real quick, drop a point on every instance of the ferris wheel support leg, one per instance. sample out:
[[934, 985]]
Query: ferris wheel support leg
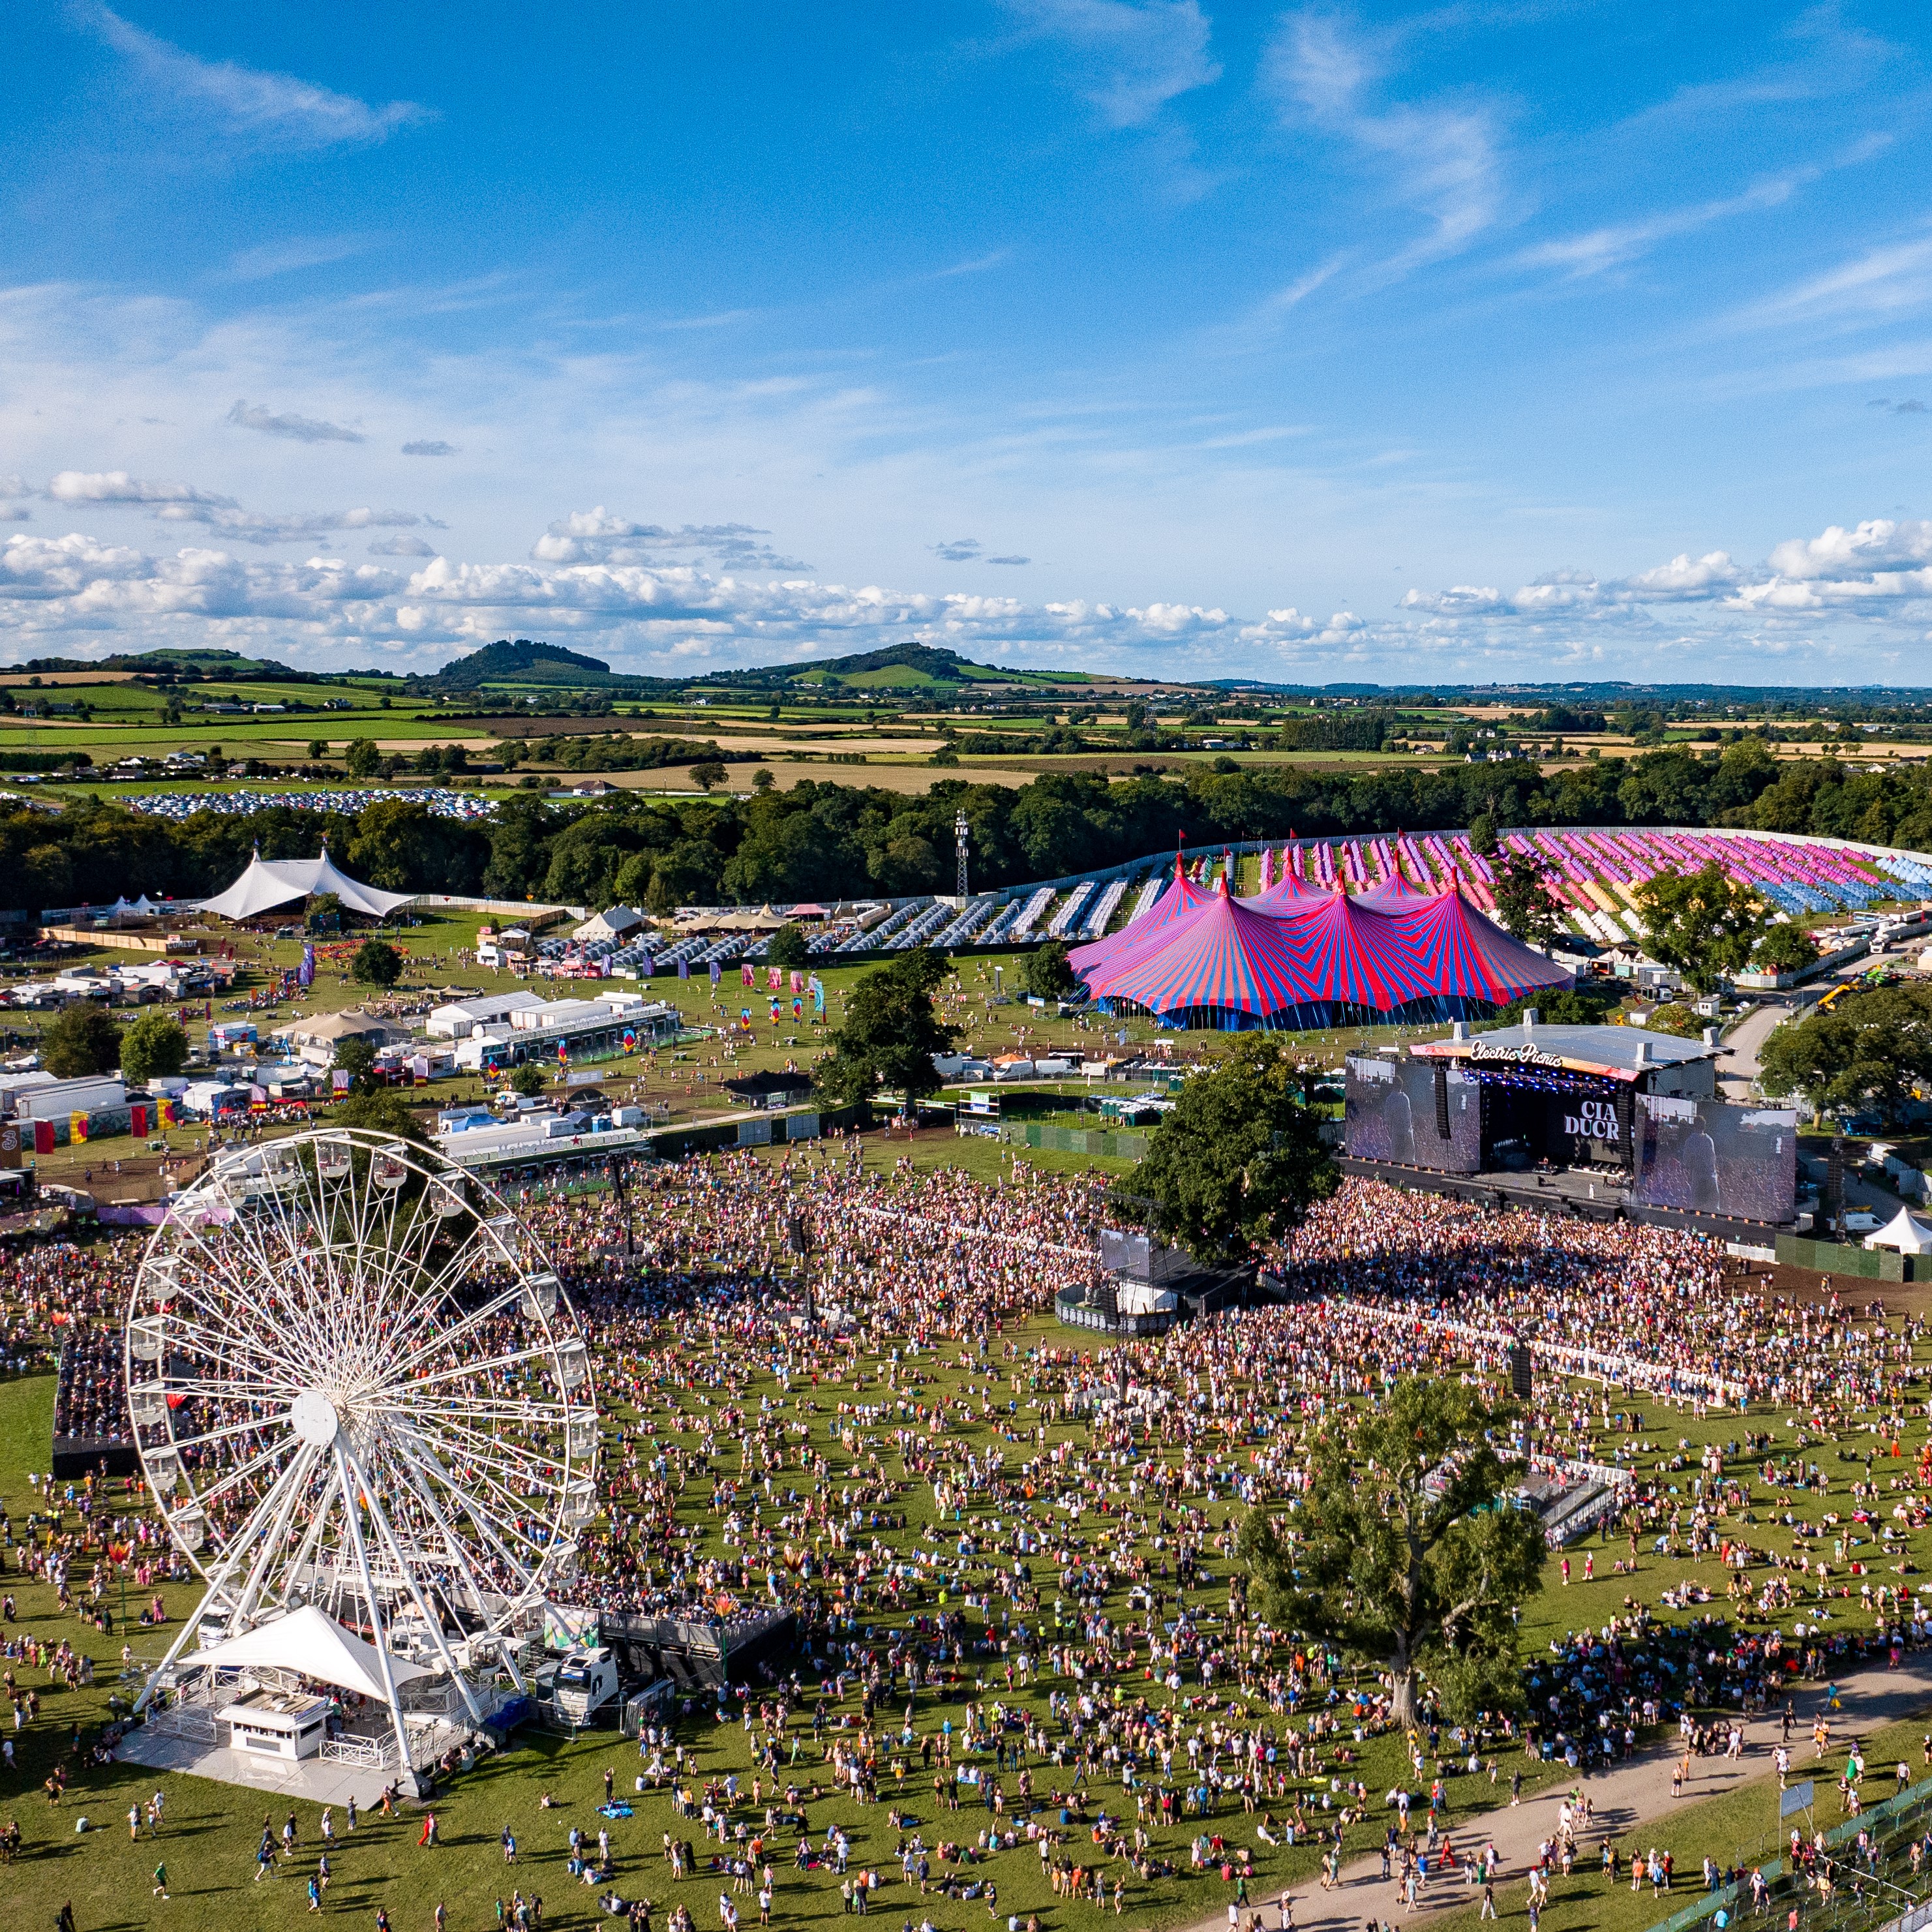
[[408, 1779], [218, 1579], [413, 1474], [429, 1616]]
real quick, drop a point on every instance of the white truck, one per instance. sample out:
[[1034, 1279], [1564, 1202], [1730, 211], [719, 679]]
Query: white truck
[[586, 1680]]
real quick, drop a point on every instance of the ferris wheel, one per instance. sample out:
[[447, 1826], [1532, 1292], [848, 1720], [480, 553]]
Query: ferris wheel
[[356, 1385]]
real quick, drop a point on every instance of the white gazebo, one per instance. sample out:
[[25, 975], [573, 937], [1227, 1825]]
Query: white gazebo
[[1905, 1232], [311, 1643], [269, 883]]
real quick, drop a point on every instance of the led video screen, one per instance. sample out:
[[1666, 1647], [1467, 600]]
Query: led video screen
[[1707, 1158], [1391, 1113]]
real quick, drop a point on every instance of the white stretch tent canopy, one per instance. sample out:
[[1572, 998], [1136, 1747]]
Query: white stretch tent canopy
[[311, 1641], [270, 883], [1904, 1232], [614, 923]]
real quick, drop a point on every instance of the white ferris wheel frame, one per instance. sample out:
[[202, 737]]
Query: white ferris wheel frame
[[301, 1279]]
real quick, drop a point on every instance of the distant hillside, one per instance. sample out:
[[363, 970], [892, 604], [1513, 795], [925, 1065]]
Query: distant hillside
[[205, 663], [910, 666], [523, 662]]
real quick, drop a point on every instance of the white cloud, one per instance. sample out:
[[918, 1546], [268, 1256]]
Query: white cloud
[[1599, 249], [301, 251], [1876, 286], [297, 429], [1871, 546], [587, 536], [116, 486], [174, 502], [75, 592], [1132, 57], [272, 107], [1441, 158]]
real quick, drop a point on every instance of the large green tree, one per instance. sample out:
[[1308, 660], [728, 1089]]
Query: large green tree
[[156, 1045], [1868, 1052], [1238, 1160], [1048, 976], [1703, 924], [1529, 908], [376, 963], [1405, 1553], [83, 1040], [788, 947], [890, 1033], [1786, 948], [381, 1112]]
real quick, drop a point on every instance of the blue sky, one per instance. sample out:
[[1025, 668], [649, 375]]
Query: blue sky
[[1461, 343]]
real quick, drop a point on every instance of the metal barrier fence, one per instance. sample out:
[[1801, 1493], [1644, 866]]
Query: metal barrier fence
[[1861, 1888]]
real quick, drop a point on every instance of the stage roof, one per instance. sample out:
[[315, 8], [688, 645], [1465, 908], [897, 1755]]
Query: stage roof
[[270, 883], [1613, 1051]]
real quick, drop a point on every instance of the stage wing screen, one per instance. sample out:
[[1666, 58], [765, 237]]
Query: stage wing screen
[[1706, 1158], [1413, 1113]]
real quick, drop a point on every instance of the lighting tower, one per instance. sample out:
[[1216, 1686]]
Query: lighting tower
[[961, 833]]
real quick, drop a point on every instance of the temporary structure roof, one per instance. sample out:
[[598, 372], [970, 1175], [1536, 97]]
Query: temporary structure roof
[[270, 883], [1263, 957], [351, 1023], [1457, 950], [1904, 1232], [311, 1641], [612, 923], [1182, 897]]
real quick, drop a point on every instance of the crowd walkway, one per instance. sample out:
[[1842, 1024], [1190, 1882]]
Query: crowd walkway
[[1623, 1801]]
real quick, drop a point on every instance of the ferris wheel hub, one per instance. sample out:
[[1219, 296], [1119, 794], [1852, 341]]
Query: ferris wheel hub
[[315, 1417]]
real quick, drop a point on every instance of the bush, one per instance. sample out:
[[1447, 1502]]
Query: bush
[[1676, 1017], [376, 963], [527, 1080]]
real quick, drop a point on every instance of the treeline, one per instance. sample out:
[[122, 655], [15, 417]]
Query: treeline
[[824, 840], [582, 753]]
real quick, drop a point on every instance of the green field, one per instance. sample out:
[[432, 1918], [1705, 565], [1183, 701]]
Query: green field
[[211, 1831]]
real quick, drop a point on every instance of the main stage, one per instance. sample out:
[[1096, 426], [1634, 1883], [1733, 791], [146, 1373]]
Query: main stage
[[1586, 1196], [1604, 1122]]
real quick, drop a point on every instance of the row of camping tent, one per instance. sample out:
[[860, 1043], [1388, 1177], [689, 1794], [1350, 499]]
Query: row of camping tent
[[1299, 954]]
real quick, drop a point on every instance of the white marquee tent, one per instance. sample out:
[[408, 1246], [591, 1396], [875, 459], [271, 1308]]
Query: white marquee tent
[[1904, 1232], [270, 883], [311, 1641]]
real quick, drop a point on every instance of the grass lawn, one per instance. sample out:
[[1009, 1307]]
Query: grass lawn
[[211, 1831], [1739, 1829], [26, 1424]]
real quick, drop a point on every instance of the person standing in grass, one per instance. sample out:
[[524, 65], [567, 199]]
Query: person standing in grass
[[160, 1890]]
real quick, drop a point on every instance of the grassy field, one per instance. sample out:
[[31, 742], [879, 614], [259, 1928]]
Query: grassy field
[[211, 1831]]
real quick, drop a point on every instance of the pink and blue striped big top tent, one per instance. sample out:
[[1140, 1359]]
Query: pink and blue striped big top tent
[[1182, 898], [1307, 960]]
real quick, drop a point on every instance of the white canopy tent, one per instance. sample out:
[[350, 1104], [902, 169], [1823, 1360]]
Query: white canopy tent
[[270, 883], [311, 1641], [1905, 1232]]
